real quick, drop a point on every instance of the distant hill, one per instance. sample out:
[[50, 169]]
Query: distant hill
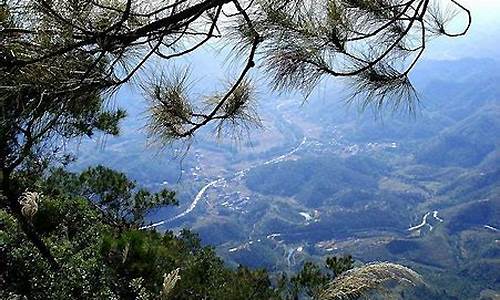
[[360, 183], [467, 143]]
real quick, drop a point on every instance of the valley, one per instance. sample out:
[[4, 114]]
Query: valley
[[320, 180]]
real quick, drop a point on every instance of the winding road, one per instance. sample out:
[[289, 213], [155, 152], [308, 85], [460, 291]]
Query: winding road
[[240, 173], [424, 221]]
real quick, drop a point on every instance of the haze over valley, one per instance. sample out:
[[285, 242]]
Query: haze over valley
[[421, 189]]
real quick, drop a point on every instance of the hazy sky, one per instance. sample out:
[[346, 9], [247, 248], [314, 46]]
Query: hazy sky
[[480, 3], [484, 10], [482, 39]]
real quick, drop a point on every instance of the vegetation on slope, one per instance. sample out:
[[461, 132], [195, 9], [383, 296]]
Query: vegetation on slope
[[91, 224]]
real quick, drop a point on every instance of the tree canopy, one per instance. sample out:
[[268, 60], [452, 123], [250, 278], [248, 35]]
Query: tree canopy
[[101, 255], [66, 49], [61, 60]]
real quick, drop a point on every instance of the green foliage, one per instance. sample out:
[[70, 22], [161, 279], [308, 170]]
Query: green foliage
[[58, 62], [72, 229], [107, 260], [102, 260], [312, 279], [48, 100], [117, 196], [339, 265]]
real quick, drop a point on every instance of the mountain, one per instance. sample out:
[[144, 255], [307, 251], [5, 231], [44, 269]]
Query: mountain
[[322, 179]]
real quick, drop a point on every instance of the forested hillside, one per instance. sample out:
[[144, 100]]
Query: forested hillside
[[357, 185], [327, 160]]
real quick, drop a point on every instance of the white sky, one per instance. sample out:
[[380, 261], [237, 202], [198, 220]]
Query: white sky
[[480, 3], [482, 39], [484, 12]]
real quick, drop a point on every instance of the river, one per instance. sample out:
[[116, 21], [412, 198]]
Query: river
[[237, 174]]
